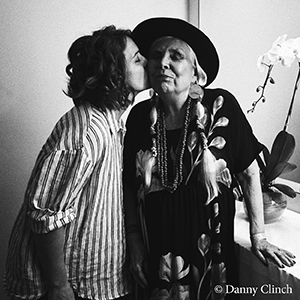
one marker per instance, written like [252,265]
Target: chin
[164,88]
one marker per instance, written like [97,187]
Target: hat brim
[145,33]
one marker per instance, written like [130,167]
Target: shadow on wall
[17,155]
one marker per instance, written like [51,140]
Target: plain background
[36,35]
[242,30]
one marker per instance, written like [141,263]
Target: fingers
[138,274]
[281,257]
[138,262]
[285,257]
[61,293]
[289,254]
[260,256]
[140,279]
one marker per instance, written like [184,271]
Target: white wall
[35,36]
[242,30]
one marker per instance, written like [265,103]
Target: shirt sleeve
[55,183]
[242,147]
[136,138]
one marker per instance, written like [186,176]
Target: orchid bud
[259,88]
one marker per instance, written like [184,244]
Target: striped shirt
[76,183]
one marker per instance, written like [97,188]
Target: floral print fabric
[189,233]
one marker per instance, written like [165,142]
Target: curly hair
[97,69]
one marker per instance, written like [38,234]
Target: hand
[263,250]
[138,259]
[64,292]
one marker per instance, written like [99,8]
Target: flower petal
[192,141]
[218,103]
[203,243]
[180,271]
[221,122]
[165,267]
[263,62]
[218,142]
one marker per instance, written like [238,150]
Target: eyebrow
[178,49]
[171,49]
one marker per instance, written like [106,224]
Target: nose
[144,61]
[165,61]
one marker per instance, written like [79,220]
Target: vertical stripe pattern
[76,183]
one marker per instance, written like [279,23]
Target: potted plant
[275,163]
[272,165]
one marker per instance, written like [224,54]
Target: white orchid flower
[287,57]
[273,55]
[294,45]
[284,52]
[263,62]
[297,48]
[281,52]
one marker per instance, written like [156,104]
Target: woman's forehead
[170,42]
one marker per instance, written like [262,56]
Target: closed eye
[176,56]
[137,57]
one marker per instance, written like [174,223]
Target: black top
[182,229]
[240,149]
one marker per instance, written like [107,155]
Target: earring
[196,91]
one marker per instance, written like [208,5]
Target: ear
[194,78]
[202,77]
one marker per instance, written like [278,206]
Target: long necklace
[162,152]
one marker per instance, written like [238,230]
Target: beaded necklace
[159,149]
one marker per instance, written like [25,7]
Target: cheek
[138,75]
[135,76]
[131,79]
[128,78]
[187,73]
[151,66]
[152,69]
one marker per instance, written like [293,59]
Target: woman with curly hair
[68,240]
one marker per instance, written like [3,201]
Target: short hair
[97,69]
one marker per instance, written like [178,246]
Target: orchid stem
[292,101]
[262,88]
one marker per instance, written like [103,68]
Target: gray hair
[201,75]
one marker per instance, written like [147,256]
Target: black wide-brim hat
[145,33]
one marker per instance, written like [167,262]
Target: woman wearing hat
[183,150]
